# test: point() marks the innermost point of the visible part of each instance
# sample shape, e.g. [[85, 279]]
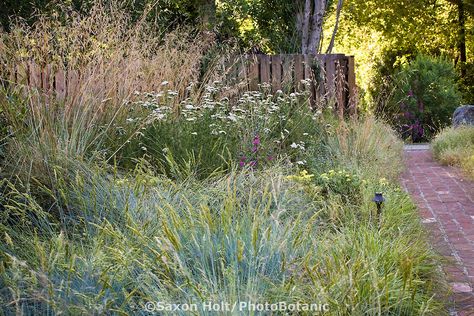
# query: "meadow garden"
[[155, 182]]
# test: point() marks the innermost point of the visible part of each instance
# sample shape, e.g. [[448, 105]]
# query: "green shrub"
[[455, 146], [425, 96]]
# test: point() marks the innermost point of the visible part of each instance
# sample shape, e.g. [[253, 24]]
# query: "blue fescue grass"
[[244, 236]]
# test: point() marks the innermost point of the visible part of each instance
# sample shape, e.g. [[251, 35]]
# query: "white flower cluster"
[[254, 112]]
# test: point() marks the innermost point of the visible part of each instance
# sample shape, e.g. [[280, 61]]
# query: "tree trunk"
[[333, 37], [207, 14], [305, 26], [462, 37], [316, 26], [310, 25]]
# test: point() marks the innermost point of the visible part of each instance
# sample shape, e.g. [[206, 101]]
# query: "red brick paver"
[[446, 202]]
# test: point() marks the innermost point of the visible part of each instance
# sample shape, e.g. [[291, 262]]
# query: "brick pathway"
[[446, 203]]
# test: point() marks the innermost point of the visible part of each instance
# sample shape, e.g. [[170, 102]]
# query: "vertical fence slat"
[[72, 82], [276, 73], [330, 76], [287, 67], [310, 60], [344, 66], [351, 85], [299, 71], [322, 77], [264, 68], [307, 61], [46, 78], [34, 76], [252, 64], [60, 84], [340, 87]]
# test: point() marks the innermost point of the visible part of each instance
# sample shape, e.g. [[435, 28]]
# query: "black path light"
[[378, 199]]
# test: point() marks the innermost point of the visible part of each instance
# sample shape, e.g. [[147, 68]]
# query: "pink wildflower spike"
[[256, 140], [242, 161]]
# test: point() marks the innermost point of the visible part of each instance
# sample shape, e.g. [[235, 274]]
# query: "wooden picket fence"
[[330, 78]]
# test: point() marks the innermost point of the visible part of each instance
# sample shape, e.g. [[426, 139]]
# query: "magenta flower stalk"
[[242, 161], [256, 140]]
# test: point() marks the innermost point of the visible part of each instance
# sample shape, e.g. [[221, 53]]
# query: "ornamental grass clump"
[[252, 235], [108, 60], [367, 146], [455, 147]]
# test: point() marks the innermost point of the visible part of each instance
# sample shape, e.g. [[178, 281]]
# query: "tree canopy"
[[380, 33]]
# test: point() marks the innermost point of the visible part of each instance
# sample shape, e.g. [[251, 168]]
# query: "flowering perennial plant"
[[215, 132]]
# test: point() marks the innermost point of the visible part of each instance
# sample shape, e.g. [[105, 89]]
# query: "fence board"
[[288, 65], [307, 61], [299, 71], [72, 82], [340, 87], [330, 77], [34, 76], [343, 71], [253, 72], [264, 62], [351, 86], [321, 85], [47, 79], [276, 73], [60, 84]]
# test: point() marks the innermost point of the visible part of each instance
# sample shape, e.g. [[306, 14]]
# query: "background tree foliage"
[[381, 34], [385, 34]]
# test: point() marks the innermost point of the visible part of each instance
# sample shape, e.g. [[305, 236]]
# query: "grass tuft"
[[455, 147]]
